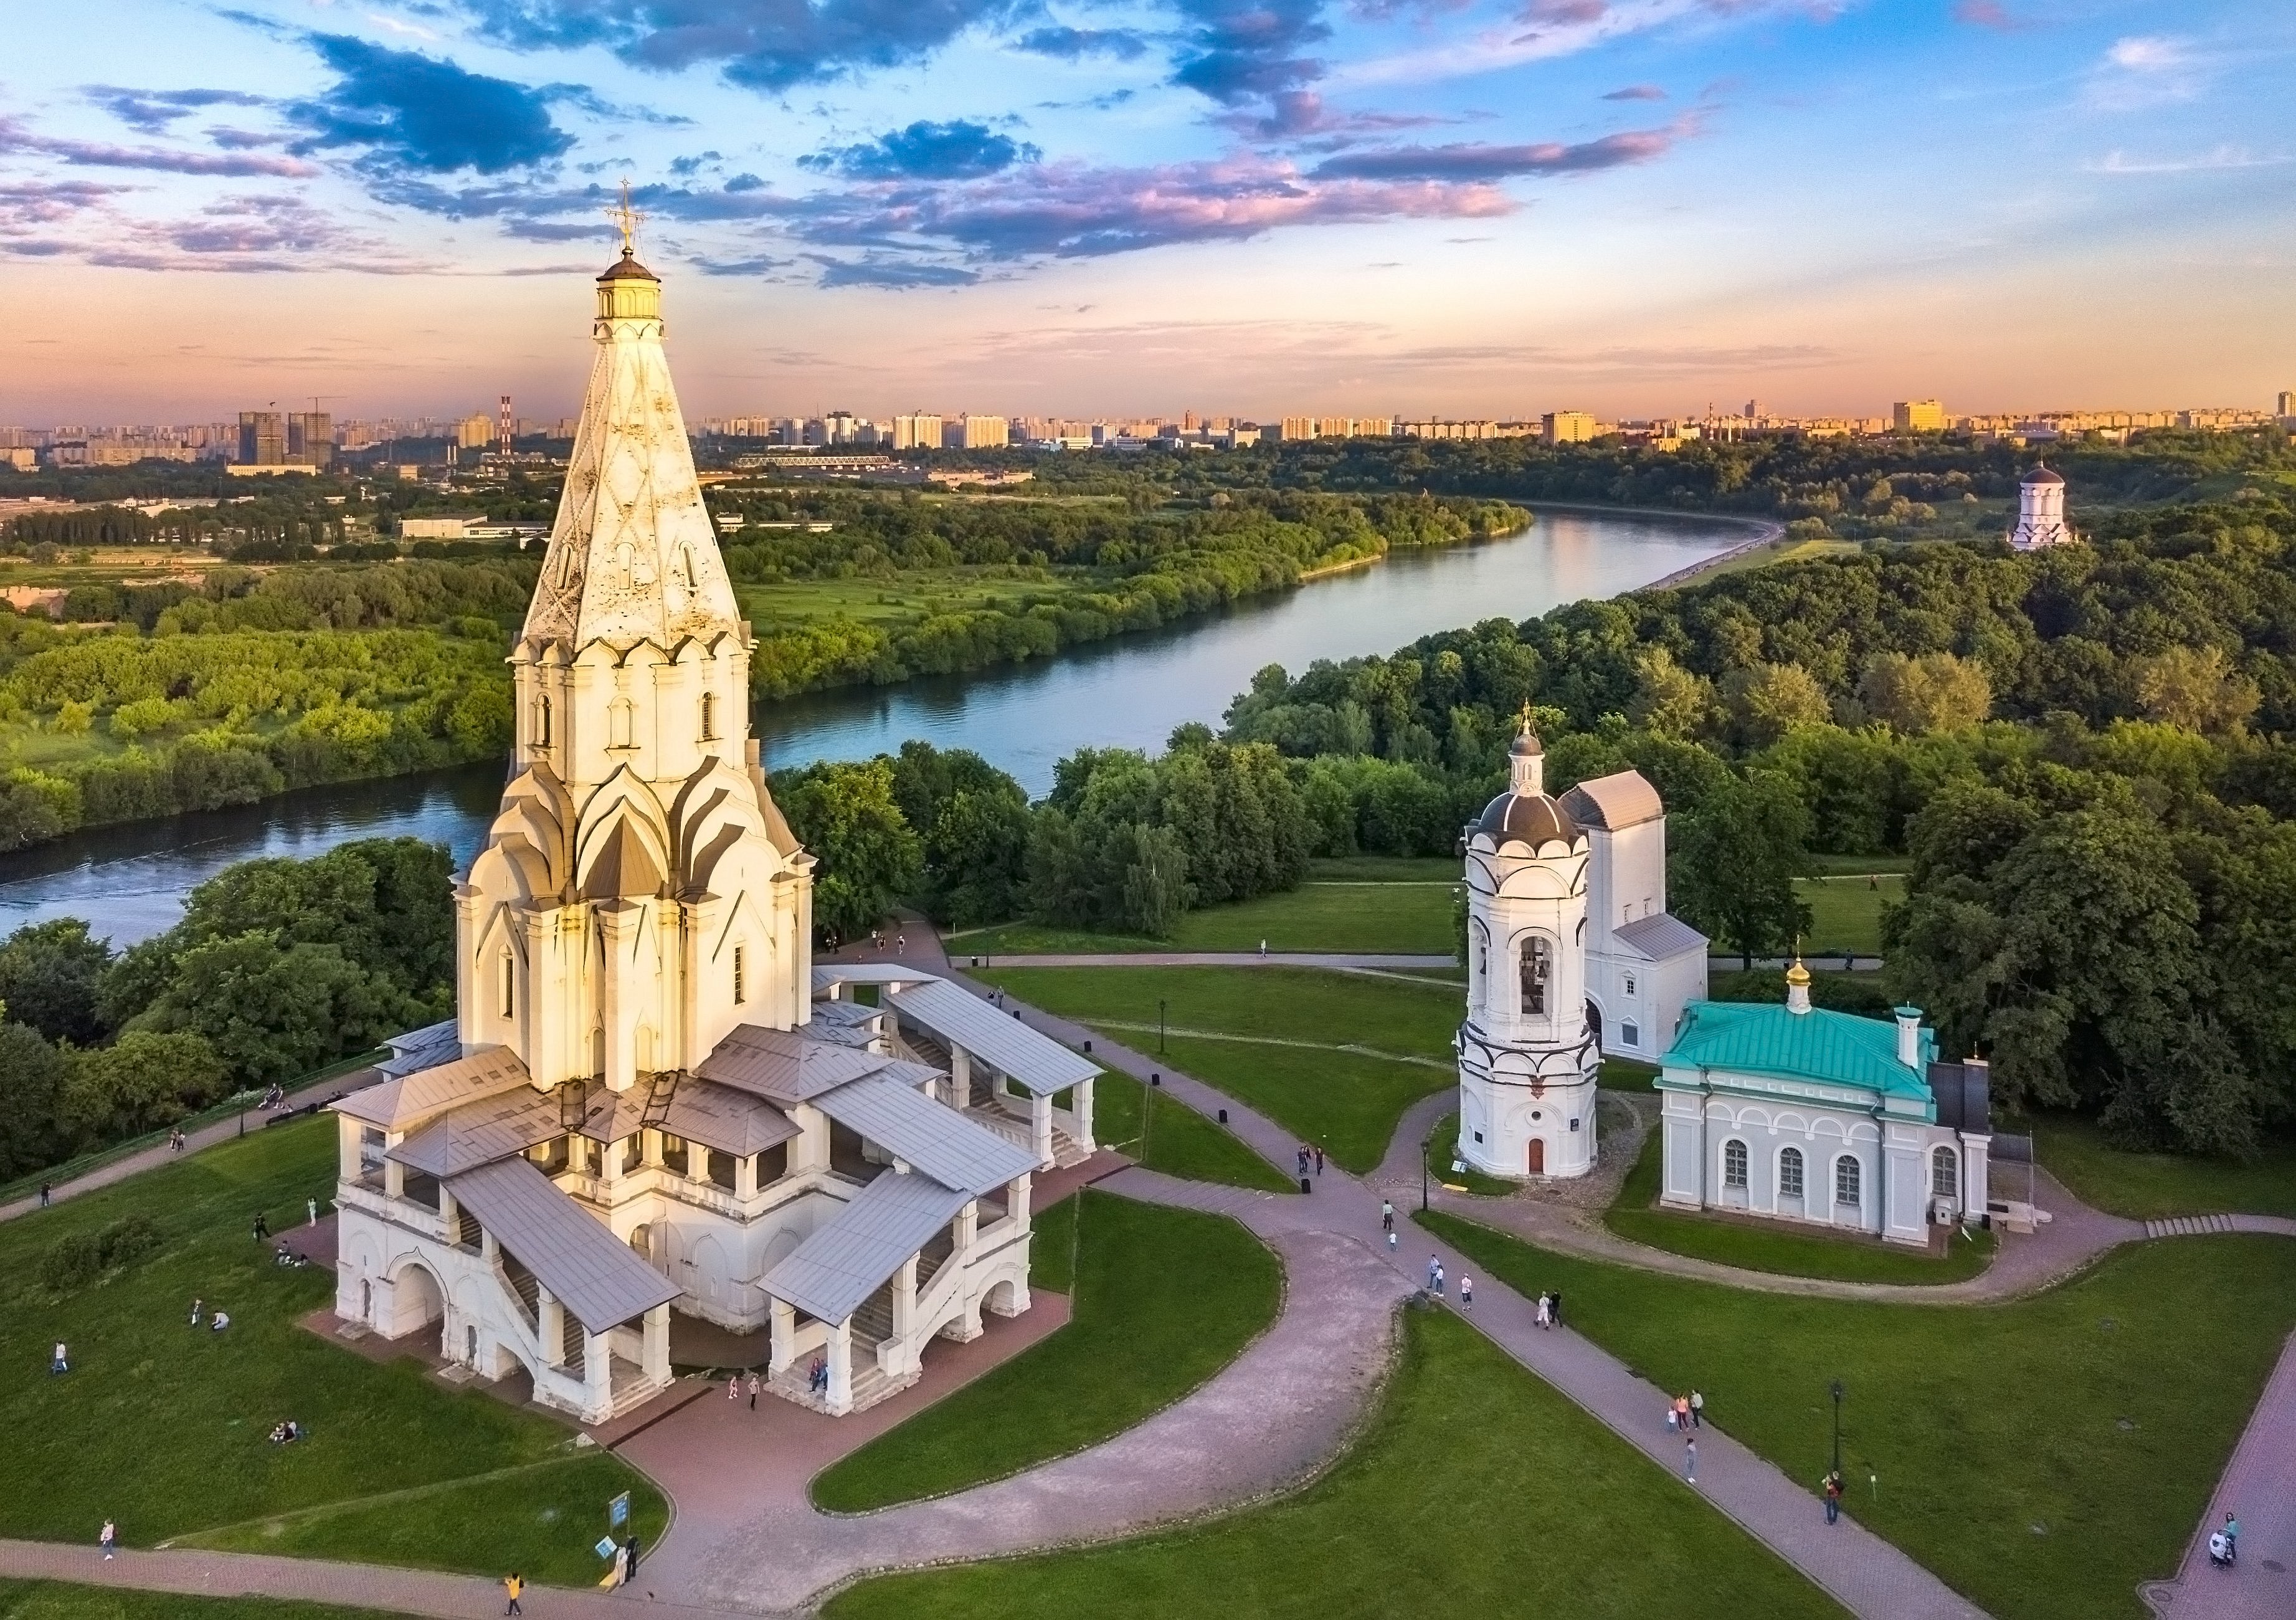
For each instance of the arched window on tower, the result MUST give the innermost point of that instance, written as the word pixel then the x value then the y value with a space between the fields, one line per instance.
pixel 709 716
pixel 1848 1178
pixel 542 721
pixel 1790 1173
pixel 1538 963
pixel 1483 960
pixel 622 724
pixel 741 977
pixel 1733 1163
pixel 1944 1174
pixel 509 985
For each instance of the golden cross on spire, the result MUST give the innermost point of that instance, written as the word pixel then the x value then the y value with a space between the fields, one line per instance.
pixel 627 219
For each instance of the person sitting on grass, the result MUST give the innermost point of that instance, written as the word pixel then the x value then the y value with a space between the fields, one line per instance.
pixel 219 1321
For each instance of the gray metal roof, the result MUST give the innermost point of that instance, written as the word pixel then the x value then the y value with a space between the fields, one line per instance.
pixel 399 1105
pixel 591 1272
pixel 785 1065
pixel 960 1018
pixel 1623 800
pixel 832 973
pixel 933 1138
pixel 1660 935
pixel 720 1117
pixel 843 1263
pixel 424 1048
pixel 827 1024
pixel 499 1127
pixel 826 1011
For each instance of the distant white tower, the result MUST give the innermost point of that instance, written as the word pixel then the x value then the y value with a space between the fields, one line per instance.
pixel 1527 1061
pixel 2040 511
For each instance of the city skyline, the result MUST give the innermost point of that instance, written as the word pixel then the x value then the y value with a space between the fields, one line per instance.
pixel 1441 211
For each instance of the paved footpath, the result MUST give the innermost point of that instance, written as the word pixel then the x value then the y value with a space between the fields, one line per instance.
pixel 207 1136
pixel 2258 1485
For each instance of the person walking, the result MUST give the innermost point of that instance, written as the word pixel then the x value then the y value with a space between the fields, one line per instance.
pixel 1669 1417
pixel 733 1388
pixel 1386 1216
pixel 1466 1292
pixel 1697 1409
pixel 1554 1308
pixel 513 1583
pixel 1832 1497
pixel 753 1389
pixel 1300 1159
pixel 1541 1317
pixel 2232 1534
pixel 62 1362
pixel 197 1304
pixel 1391 1240
pixel 46 1188
pixel 1434 1272
pixel 1439 1281
pixel 1682 1413
pixel 310 1212
pixel 1690 1461
pixel 1319 1158
pixel 106 1538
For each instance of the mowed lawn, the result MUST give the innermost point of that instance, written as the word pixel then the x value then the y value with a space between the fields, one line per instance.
pixel 1476 1490
pixel 162 1426
pixel 1161 1299
pixel 1174 1138
pixel 1846 912
pixel 1350 916
pixel 54 1601
pixel 2042 1456
pixel 1770 1248
pixel 1278 1038
pixel 2146 1186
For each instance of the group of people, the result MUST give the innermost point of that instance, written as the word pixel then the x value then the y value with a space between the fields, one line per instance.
pixel 1437 1280
pixel 1549 1310
pixel 217 1323
pixel 2224 1545
pixel 734 1388
pixel 287 1432
pixel 1307 1156
pixel 1684 1413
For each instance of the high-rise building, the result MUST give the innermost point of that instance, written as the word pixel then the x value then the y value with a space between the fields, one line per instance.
pixel 505 426
pixel 2286 405
pixel 917 431
pixel 475 431
pixel 1567 427
pixel 1918 416
pixel 311 438
pixel 1298 427
pixel 986 432
pixel 262 438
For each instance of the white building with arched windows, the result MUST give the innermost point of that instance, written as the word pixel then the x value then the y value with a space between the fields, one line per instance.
pixel 651 1106
pixel 1794 1113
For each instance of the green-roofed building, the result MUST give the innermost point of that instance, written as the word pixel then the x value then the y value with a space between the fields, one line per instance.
pixel 1798 1114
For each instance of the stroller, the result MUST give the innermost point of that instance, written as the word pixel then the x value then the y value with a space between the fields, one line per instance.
pixel 2224 1552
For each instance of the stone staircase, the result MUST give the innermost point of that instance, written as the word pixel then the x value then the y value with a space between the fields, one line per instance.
pixel 2191 1226
pixel 924 1050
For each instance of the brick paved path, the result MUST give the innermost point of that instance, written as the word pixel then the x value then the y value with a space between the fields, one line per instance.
pixel 2258 1485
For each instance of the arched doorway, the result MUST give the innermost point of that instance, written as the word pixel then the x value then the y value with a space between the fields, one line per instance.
pixel 1539 1156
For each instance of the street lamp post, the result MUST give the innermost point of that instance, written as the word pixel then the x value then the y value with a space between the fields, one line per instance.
pixel 1426 1143
pixel 1836 1392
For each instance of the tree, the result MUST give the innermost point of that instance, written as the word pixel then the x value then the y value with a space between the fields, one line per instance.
pixel 1769 700
pixel 2195 688
pixel 1735 857
pixel 31 1073
pixel 870 857
pixel 143 1080
pixel 50 974
pixel 272 1010
pixel 1935 691
pixel 1153 888
pixel 1670 701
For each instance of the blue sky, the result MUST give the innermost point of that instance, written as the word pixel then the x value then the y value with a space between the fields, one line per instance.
pixel 1454 206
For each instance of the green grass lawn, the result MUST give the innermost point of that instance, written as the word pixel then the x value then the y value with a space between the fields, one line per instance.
pixel 55 1601
pixel 1443 1153
pixel 1163 1298
pixel 1177 1140
pixel 2042 1456
pixel 2144 1186
pixel 1475 1490
pixel 162 1426
pixel 1348 1102
pixel 1381 916
pixel 1789 1252
pixel 1625 1074
pixel 1846 912
pixel 1858 865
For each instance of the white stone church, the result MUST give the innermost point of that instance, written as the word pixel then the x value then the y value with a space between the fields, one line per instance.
pixel 650 1105
pixel 1784 1112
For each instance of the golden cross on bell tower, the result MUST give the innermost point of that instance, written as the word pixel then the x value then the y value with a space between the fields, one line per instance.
pixel 627 219
pixel 1525 718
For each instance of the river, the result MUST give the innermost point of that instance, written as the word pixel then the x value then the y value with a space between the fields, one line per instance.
pixel 129 881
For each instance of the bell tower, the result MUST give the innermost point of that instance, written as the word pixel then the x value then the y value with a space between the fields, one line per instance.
pixel 1527 1060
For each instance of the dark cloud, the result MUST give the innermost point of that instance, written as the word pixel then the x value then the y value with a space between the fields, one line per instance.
pixel 238 140
pixel 745 183
pixel 97 154
pixel 738 266
pixel 411 113
pixel 152 111
pixel 1069 44
pixel 1636 93
pixel 45 202
pixel 1465 161
pixel 1239 51
pixel 959 150
pixel 687 165
pixel 893 272
pixel 1294 114
pixel 761 45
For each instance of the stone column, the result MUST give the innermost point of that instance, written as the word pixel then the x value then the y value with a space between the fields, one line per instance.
pixel 783 1337
pixel 697 1162
pixel 1017 1193
pixel 450 1213
pixel 840 1368
pixel 960 1075
pixel 1976 1175
pixel 394 1173
pixel 745 1176
pixel 618 923
pixel 1081 1098
pixel 657 1344
pixel 905 1314
pixel 598 1376
pixel 551 1316
pixel 1040 1128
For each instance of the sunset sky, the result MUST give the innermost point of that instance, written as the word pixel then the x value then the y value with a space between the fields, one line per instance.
pixel 1454 207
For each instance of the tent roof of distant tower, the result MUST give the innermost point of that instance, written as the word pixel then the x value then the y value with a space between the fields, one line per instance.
pixel 628 268
pixel 2042 475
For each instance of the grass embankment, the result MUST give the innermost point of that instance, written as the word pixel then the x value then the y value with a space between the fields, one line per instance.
pixel 1476 1490
pixel 1445 1164
pixel 1767 1248
pixel 55 1601
pixel 2042 1456
pixel 1174 1138
pixel 1392 915
pixel 1160 1300
pixel 1333 1057
pixel 2147 1186
pixel 163 1427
